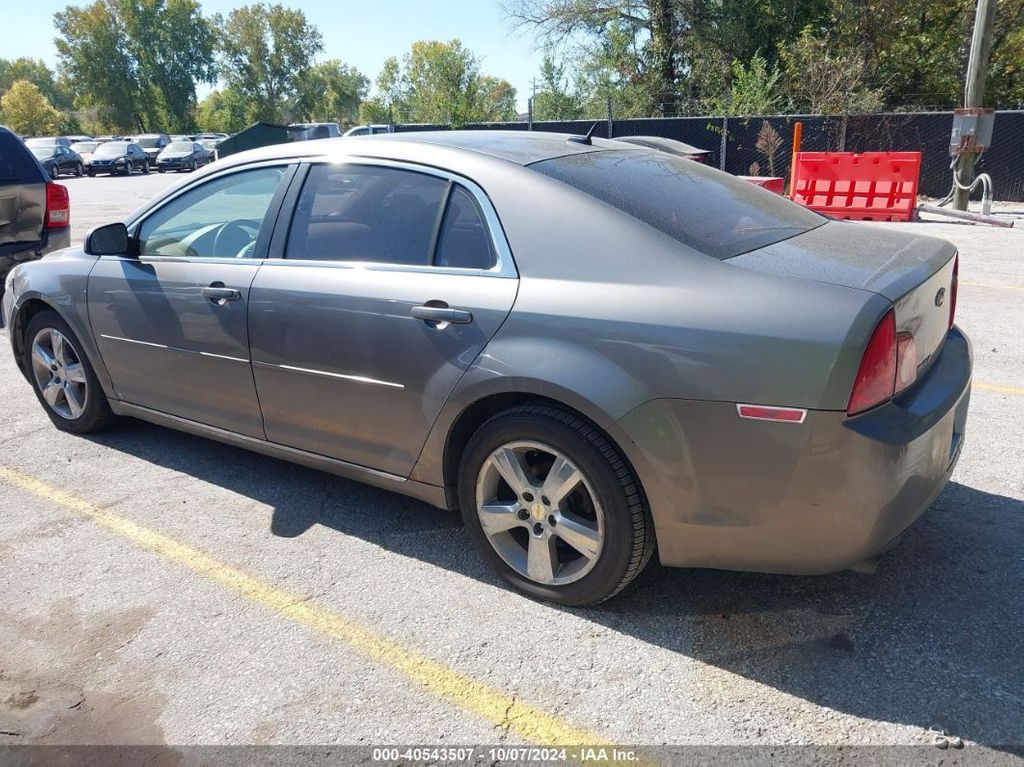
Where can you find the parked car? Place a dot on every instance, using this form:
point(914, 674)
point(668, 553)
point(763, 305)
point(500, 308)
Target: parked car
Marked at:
point(117, 158)
point(35, 213)
point(311, 131)
point(44, 141)
point(210, 136)
point(182, 155)
point(368, 130)
point(85, 149)
point(210, 145)
point(78, 138)
point(593, 349)
point(57, 158)
point(152, 144)
point(678, 148)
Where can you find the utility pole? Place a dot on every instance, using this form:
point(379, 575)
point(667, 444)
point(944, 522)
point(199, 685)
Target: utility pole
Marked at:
point(974, 89)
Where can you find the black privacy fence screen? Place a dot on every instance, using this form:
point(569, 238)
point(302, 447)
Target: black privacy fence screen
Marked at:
point(762, 146)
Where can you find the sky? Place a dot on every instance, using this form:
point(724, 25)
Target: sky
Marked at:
point(362, 33)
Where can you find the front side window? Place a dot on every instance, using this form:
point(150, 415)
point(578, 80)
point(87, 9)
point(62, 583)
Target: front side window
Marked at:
point(366, 213)
point(220, 219)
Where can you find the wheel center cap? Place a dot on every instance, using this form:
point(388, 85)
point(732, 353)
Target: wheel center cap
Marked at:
point(538, 512)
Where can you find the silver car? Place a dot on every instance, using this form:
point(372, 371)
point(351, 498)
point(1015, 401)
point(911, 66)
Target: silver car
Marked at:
point(594, 350)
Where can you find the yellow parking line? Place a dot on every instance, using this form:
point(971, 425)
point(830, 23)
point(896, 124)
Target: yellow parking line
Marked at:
point(1000, 389)
point(505, 711)
point(996, 285)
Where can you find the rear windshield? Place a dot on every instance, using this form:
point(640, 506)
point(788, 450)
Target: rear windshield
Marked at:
point(85, 146)
point(178, 146)
point(43, 152)
point(111, 149)
point(703, 208)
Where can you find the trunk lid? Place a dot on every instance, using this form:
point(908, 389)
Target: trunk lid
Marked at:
point(855, 255)
point(912, 271)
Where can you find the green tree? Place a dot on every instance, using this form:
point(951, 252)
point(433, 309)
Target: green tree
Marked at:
point(554, 99)
point(496, 101)
point(40, 75)
point(754, 89)
point(439, 82)
point(26, 110)
point(265, 53)
point(134, 63)
point(92, 49)
point(633, 46)
point(330, 91)
point(823, 80)
point(173, 46)
point(222, 111)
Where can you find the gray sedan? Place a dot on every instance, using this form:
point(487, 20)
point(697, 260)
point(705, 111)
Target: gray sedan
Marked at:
point(595, 351)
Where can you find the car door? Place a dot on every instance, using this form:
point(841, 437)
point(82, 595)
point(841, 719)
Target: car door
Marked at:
point(172, 323)
point(363, 320)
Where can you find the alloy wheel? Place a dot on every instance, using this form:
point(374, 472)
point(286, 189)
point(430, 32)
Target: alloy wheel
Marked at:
point(539, 512)
point(59, 373)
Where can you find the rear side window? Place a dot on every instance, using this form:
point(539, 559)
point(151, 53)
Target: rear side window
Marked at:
point(703, 208)
point(16, 163)
point(463, 241)
point(366, 213)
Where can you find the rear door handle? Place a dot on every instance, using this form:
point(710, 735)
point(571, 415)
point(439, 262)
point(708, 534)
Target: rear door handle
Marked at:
point(219, 294)
point(442, 314)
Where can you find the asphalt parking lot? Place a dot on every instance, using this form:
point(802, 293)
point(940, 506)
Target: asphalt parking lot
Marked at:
point(165, 589)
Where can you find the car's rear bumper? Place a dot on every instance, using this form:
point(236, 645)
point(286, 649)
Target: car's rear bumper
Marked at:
point(814, 497)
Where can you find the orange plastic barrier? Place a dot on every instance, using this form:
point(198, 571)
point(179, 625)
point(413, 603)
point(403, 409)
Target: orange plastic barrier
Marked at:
point(771, 183)
point(874, 186)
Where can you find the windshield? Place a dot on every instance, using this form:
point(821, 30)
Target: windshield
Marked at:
point(32, 142)
point(112, 149)
point(148, 142)
point(85, 147)
point(178, 146)
point(703, 208)
point(43, 151)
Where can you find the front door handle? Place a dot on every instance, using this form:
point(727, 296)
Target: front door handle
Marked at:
point(219, 294)
point(442, 313)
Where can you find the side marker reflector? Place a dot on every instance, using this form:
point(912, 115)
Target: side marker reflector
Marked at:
point(768, 413)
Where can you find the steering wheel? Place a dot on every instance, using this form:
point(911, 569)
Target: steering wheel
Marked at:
point(237, 237)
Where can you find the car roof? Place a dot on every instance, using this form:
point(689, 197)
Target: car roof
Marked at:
point(519, 147)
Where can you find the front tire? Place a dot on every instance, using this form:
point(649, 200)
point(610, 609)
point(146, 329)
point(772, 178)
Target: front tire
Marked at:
point(62, 376)
point(145, 167)
point(79, 170)
point(54, 171)
point(552, 505)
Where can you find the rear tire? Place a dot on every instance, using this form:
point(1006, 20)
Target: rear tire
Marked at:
point(56, 365)
point(606, 503)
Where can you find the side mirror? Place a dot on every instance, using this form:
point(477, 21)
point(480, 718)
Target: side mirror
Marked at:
point(109, 240)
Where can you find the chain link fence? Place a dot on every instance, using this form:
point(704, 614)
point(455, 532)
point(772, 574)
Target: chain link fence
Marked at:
point(734, 147)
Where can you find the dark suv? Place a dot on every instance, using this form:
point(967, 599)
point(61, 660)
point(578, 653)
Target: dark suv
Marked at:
point(35, 213)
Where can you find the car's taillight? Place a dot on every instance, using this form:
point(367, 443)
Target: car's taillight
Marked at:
point(876, 377)
point(58, 206)
point(952, 288)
